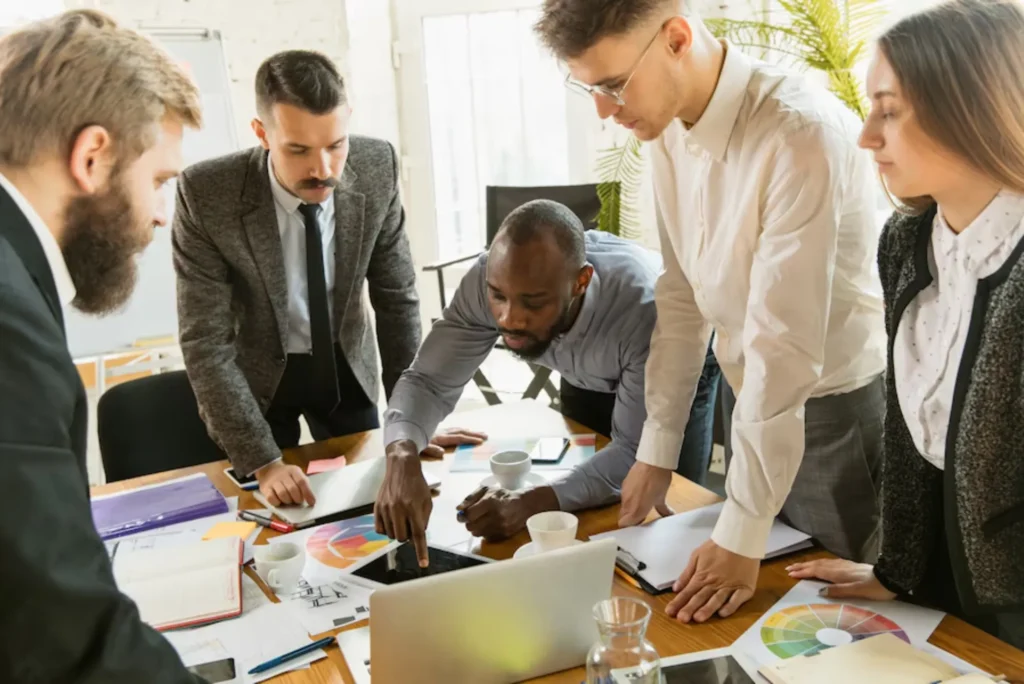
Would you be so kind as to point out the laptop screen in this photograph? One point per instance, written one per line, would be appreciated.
(400, 564)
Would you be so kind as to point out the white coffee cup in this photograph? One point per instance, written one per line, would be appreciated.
(552, 529)
(510, 468)
(280, 565)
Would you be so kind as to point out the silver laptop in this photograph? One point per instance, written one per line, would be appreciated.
(491, 624)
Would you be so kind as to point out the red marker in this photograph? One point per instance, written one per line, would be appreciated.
(266, 522)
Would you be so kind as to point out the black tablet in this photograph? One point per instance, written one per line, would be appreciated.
(399, 564)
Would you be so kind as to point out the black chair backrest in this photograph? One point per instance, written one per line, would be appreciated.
(150, 425)
(502, 200)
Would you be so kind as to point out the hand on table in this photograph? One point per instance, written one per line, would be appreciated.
(404, 502)
(497, 514)
(644, 488)
(715, 581)
(284, 484)
(450, 437)
(847, 579)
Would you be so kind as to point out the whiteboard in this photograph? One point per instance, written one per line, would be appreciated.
(152, 310)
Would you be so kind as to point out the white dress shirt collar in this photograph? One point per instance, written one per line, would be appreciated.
(61, 278)
(715, 126)
(985, 239)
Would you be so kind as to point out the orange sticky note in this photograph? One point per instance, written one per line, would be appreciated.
(241, 529)
(324, 465)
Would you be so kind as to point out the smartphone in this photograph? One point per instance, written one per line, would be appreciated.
(246, 483)
(549, 450)
(215, 671)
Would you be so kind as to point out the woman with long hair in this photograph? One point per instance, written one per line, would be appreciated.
(946, 129)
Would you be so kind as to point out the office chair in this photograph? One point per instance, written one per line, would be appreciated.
(150, 425)
(501, 201)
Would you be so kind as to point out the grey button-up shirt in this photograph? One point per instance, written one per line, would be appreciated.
(604, 351)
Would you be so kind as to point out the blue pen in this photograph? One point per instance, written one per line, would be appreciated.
(308, 648)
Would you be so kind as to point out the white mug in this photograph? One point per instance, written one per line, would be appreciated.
(552, 529)
(280, 565)
(510, 468)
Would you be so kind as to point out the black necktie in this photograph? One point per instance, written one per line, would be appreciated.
(325, 375)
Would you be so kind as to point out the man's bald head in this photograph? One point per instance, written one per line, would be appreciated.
(537, 273)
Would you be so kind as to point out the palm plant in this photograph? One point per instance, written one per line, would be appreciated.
(827, 35)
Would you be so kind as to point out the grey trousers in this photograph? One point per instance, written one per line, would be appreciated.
(835, 497)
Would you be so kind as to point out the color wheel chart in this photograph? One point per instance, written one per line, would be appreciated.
(807, 629)
(341, 544)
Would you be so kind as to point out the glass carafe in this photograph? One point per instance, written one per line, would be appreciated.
(622, 623)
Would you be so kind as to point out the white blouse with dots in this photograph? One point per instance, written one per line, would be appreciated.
(930, 335)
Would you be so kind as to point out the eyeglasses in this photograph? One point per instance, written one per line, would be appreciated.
(614, 94)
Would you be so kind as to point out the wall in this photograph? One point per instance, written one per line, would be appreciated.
(252, 31)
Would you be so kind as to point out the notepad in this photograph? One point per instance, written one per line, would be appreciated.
(882, 659)
(242, 530)
(183, 586)
(339, 491)
(325, 465)
(665, 545)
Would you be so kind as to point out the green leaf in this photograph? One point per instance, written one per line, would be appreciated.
(620, 173)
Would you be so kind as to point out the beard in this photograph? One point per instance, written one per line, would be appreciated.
(102, 235)
(538, 345)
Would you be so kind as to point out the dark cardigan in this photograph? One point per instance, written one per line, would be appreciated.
(980, 492)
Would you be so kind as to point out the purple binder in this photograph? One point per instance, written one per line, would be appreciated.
(156, 506)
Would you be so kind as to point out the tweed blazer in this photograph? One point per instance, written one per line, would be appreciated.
(979, 495)
(233, 295)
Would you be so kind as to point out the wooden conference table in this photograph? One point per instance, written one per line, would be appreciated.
(668, 636)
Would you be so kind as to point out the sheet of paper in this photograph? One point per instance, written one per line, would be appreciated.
(469, 458)
(803, 623)
(666, 544)
(325, 607)
(355, 647)
(171, 536)
(241, 529)
(333, 548)
(254, 638)
(961, 666)
(325, 464)
(253, 596)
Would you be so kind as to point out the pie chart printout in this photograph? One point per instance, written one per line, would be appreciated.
(341, 544)
(808, 629)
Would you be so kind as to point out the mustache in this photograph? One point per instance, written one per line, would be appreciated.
(517, 333)
(317, 183)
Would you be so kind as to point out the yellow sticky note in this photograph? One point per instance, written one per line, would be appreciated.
(241, 529)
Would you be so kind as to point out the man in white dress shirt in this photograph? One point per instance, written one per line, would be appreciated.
(766, 219)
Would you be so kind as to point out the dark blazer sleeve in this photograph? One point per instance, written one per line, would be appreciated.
(391, 277)
(207, 343)
(63, 619)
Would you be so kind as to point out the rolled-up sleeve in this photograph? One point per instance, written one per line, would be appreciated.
(784, 333)
(452, 352)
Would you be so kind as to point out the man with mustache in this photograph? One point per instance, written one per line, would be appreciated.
(579, 303)
(272, 248)
(92, 118)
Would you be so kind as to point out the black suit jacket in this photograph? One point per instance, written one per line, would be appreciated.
(62, 618)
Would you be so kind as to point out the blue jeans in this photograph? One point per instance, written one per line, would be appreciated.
(695, 456)
(594, 409)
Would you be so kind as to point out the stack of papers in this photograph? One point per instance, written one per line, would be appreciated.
(665, 545)
(254, 638)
